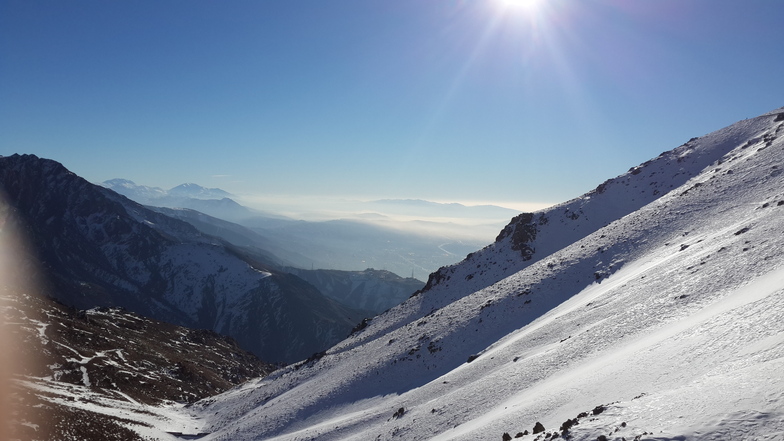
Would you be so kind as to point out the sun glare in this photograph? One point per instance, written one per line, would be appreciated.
(523, 5)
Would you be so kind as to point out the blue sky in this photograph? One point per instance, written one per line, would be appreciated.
(447, 100)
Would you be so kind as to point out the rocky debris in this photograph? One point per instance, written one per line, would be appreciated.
(568, 427)
(114, 349)
(111, 353)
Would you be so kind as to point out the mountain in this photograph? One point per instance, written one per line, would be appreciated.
(647, 309)
(212, 201)
(98, 248)
(138, 193)
(268, 248)
(145, 194)
(371, 289)
(109, 355)
(196, 191)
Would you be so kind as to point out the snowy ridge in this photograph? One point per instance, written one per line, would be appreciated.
(531, 237)
(657, 302)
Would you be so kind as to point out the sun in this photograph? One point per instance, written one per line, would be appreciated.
(523, 5)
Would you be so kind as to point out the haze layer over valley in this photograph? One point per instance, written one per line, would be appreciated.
(411, 238)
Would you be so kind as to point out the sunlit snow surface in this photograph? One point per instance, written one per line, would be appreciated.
(683, 339)
(671, 316)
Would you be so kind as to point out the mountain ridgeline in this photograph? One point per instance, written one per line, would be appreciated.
(97, 248)
(213, 201)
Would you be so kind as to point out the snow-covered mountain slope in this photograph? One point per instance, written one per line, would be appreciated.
(101, 249)
(640, 317)
(371, 290)
(531, 237)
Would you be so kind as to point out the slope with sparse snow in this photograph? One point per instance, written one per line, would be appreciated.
(96, 369)
(630, 314)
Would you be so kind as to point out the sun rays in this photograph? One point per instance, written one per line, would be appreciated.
(527, 6)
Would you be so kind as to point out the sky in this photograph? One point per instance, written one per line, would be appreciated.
(516, 103)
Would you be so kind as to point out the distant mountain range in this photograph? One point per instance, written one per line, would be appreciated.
(136, 192)
(369, 239)
(194, 196)
(213, 201)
